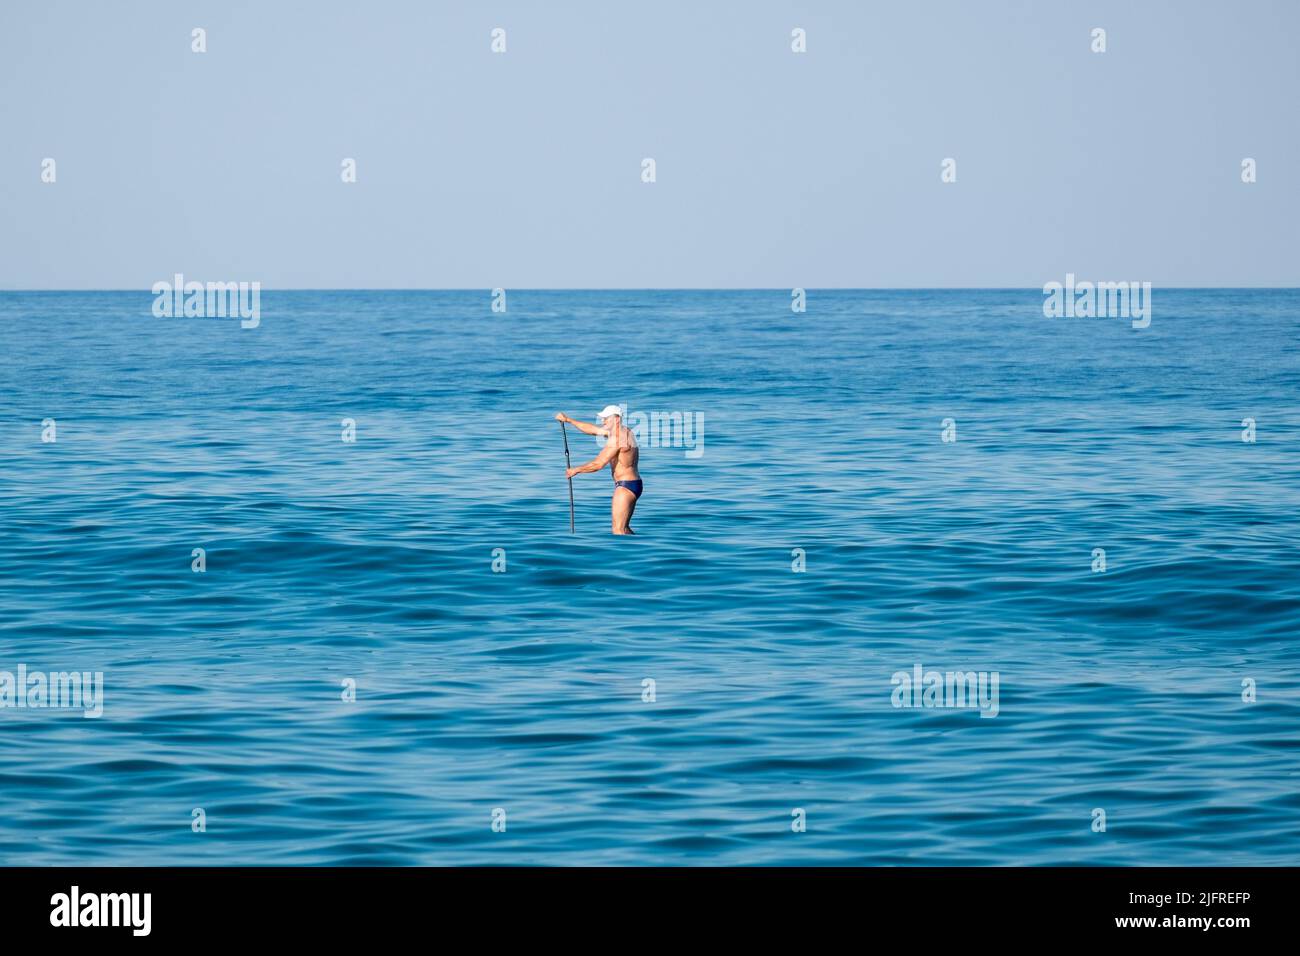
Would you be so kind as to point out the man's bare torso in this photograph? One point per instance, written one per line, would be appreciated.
(625, 459)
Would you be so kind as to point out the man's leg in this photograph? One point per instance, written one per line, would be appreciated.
(621, 508)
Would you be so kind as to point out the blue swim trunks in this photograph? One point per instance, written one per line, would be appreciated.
(632, 486)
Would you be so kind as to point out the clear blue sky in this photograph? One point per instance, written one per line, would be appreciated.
(774, 169)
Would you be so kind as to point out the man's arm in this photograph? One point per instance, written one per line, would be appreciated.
(586, 427)
(599, 462)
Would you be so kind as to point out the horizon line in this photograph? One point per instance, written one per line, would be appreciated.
(829, 288)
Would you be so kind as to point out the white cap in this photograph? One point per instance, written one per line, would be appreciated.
(607, 411)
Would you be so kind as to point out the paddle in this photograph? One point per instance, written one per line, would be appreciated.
(567, 465)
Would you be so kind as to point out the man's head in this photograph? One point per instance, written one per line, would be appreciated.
(610, 416)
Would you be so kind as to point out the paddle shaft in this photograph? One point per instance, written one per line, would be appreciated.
(565, 433)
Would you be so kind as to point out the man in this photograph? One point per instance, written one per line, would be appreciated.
(621, 454)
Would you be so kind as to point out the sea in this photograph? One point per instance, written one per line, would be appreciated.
(920, 577)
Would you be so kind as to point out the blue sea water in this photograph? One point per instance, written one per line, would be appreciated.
(372, 561)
